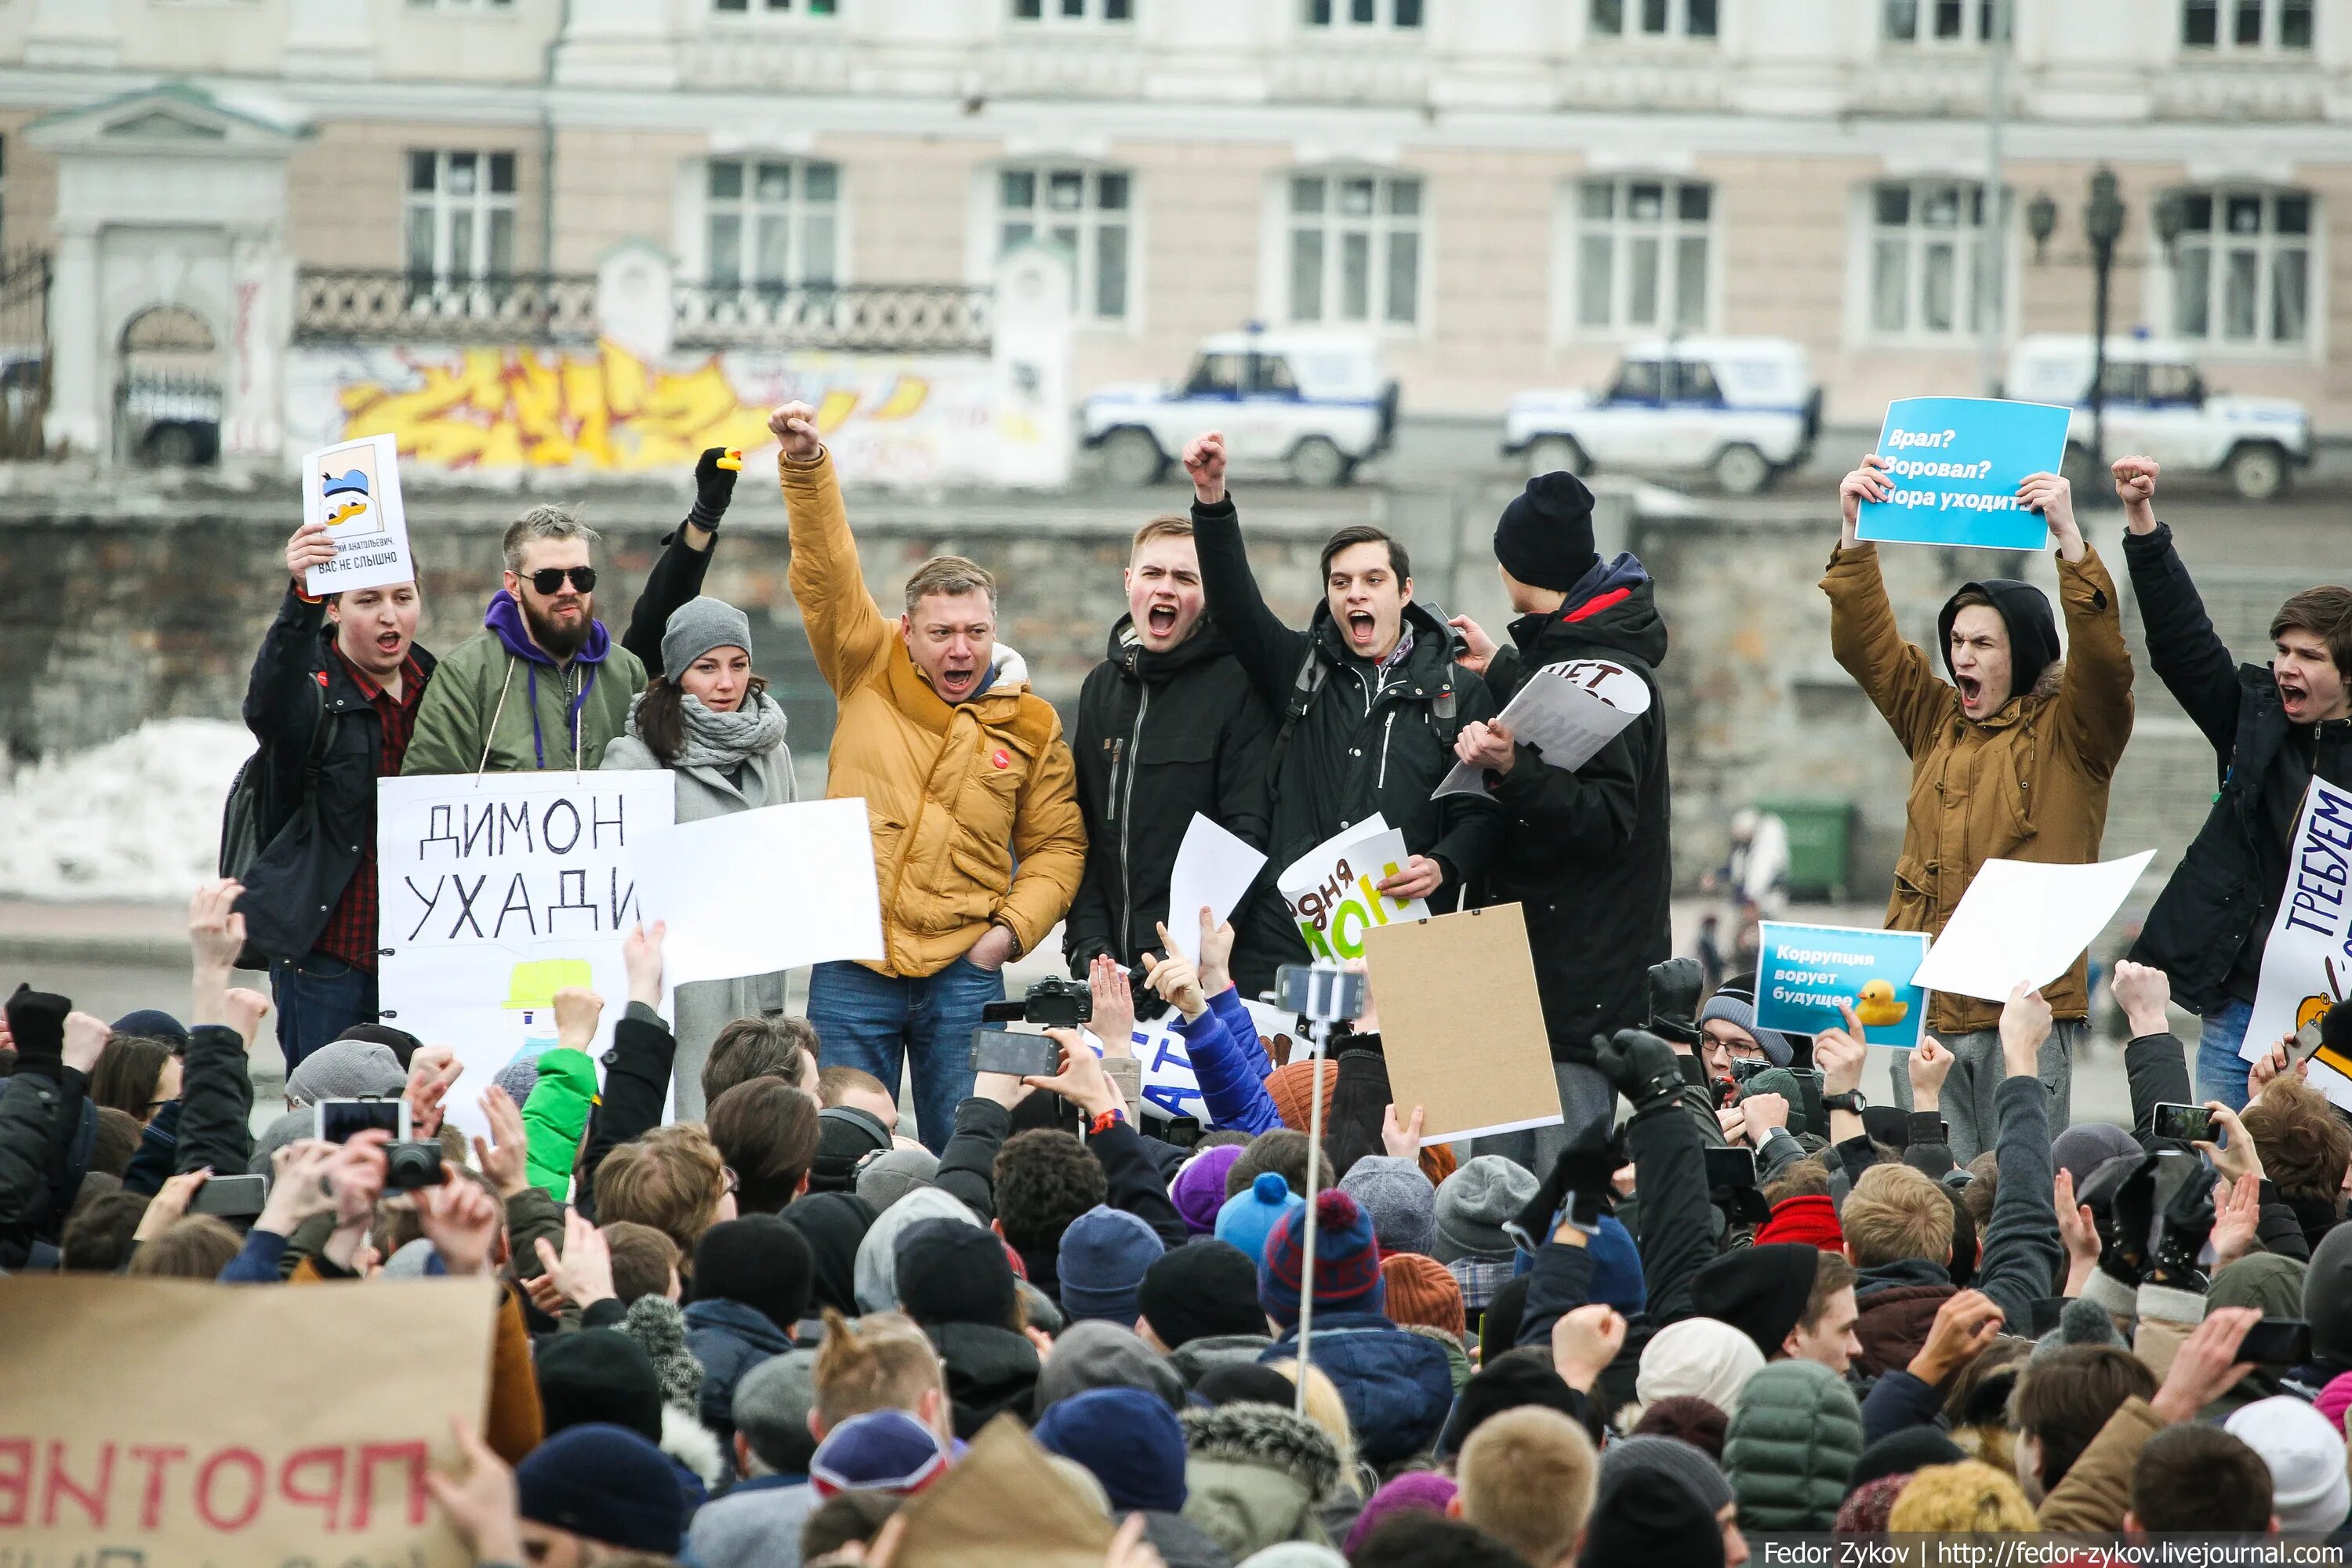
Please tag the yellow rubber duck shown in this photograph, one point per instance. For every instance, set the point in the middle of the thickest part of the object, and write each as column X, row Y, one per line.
column 1877, row 1008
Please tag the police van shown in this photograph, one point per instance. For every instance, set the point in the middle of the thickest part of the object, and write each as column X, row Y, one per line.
column 1740, row 410
column 1309, row 405
column 2158, row 404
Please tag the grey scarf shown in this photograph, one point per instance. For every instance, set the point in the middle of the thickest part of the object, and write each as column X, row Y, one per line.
column 721, row 741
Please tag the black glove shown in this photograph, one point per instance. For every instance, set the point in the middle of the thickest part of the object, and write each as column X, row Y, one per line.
column 1675, row 986
column 2128, row 1190
column 2183, row 1197
column 714, row 487
column 1586, row 1166
column 1639, row 1066
column 36, row 1022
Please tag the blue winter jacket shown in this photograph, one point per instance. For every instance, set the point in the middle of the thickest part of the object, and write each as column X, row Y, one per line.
column 1230, row 1065
column 1398, row 1386
column 729, row 1339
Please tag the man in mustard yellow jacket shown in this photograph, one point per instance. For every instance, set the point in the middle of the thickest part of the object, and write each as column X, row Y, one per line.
column 968, row 783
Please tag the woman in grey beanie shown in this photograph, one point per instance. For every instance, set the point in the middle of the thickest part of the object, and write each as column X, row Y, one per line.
column 708, row 720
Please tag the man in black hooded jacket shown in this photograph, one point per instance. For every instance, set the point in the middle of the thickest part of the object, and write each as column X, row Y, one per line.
column 1167, row 725
column 1586, row 853
column 1368, row 700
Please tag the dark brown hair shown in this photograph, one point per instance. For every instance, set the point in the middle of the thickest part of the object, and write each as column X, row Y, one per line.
column 1045, row 1179
column 2326, row 612
column 117, row 1141
column 767, row 1133
column 1805, row 1178
column 97, row 1238
column 2303, row 1144
column 757, row 1048
column 643, row 1259
column 658, row 721
column 2201, row 1478
column 126, row 1074
column 1832, row 1274
column 2062, row 1401
column 1365, row 533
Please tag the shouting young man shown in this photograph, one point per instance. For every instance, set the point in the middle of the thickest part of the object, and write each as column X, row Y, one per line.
column 2011, row 758
column 1168, row 725
column 2273, row 731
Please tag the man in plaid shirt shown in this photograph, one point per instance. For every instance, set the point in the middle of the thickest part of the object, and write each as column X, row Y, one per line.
column 332, row 702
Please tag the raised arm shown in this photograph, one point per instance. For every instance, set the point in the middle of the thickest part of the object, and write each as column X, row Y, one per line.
column 2095, row 703
column 1267, row 650
column 2187, row 654
column 846, row 629
column 678, row 575
column 1895, row 674
column 281, row 699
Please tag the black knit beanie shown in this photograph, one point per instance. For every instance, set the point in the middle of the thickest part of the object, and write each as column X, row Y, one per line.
column 1759, row 1290
column 599, row 1376
column 757, row 1260
column 950, row 1272
column 1545, row 535
column 1199, row 1292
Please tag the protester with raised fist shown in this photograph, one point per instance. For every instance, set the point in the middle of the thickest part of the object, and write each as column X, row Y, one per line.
column 979, row 844
column 2273, row 730
column 2011, row 758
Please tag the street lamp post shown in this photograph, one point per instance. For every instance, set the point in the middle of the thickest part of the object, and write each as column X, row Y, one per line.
column 2103, row 224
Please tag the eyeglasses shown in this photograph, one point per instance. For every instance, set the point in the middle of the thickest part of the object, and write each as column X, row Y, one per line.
column 550, row 579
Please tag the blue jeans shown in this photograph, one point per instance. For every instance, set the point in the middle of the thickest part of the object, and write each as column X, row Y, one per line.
column 875, row 1022
column 318, row 997
column 2220, row 1070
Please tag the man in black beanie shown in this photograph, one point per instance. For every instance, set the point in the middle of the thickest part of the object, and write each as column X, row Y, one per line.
column 1199, row 1306
column 1511, row 1379
column 751, row 1286
column 1765, row 1291
column 957, row 1284
column 1585, row 854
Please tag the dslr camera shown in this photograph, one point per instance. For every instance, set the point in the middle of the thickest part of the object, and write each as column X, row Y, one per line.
column 1054, row 1003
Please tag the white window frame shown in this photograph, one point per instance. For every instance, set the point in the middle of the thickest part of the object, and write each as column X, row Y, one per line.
column 1056, row 13
column 444, row 208
column 1976, row 17
column 2270, row 18
column 1089, row 220
column 1285, row 222
column 752, row 211
column 1634, row 17
column 1625, row 234
column 2265, row 244
column 819, row 11
column 1340, row 18
column 1919, row 240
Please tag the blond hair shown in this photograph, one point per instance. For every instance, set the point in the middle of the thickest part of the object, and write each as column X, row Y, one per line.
column 1969, row 1498
column 1895, row 1213
column 881, row 1361
column 1527, row 1480
column 1326, row 1409
column 1167, row 525
column 194, row 1246
column 671, row 1178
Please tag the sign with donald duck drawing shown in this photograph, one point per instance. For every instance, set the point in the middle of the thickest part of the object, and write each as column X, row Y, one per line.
column 353, row 489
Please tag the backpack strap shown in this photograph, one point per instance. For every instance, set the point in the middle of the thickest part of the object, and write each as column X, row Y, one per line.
column 1312, row 672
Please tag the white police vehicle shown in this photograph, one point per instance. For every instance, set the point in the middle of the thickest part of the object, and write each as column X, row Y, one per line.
column 1308, row 403
column 1742, row 409
column 2158, row 404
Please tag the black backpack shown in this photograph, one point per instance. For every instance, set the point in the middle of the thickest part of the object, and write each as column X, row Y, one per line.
column 251, row 819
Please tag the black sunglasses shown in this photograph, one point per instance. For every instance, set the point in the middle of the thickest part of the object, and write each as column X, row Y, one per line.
column 550, row 579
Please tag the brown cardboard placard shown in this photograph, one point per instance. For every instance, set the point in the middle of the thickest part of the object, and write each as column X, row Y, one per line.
column 180, row 1422
column 1461, row 1024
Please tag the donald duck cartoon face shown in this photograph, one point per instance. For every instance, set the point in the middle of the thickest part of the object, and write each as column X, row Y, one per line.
column 346, row 495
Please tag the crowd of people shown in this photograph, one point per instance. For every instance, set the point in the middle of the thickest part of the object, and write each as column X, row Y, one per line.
column 789, row 1321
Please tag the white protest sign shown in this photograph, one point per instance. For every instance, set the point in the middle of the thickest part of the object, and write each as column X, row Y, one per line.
column 2025, row 921
column 2308, row 964
column 498, row 890
column 756, row 891
column 1333, row 888
column 1567, row 712
column 1212, row 868
column 1169, row 1088
column 354, row 489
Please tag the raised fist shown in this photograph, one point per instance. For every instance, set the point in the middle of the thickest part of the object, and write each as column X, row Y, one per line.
column 1204, row 460
column 794, row 424
column 2135, row 479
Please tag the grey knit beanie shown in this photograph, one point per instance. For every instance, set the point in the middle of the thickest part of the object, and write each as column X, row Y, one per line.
column 1475, row 1202
column 1672, row 1455
column 2082, row 1322
column 519, row 1077
column 890, row 1175
column 698, row 625
column 1735, row 1003
column 345, row 1069
column 409, row 1260
column 1398, row 1196
column 281, row 1131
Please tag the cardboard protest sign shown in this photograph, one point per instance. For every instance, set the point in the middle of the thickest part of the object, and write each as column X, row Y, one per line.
column 2025, row 921
column 1567, row 712
column 1332, row 889
column 1212, row 868
column 143, row 1424
column 1956, row 464
column 1461, row 1024
column 355, row 488
column 1169, row 1088
column 1803, row 972
column 2307, row 964
column 756, row 891
column 498, row 890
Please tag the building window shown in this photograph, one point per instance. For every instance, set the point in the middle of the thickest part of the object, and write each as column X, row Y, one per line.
column 1355, row 249
column 1942, row 21
column 2242, row 268
column 1073, row 10
column 773, row 221
column 1652, row 18
column 461, row 4
column 460, row 215
column 775, row 8
column 2232, row 25
column 1927, row 277
column 1642, row 254
column 1084, row 214
column 1363, row 13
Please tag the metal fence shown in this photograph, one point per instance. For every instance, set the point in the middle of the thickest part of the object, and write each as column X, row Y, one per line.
column 388, row 305
column 950, row 318
column 24, row 352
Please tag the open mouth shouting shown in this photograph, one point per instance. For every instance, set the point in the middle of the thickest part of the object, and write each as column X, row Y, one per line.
column 2294, row 696
column 1971, row 690
column 389, row 644
column 957, row 682
column 1161, row 619
column 1361, row 628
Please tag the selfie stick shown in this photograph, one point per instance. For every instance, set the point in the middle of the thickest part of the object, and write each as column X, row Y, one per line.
column 1323, row 1008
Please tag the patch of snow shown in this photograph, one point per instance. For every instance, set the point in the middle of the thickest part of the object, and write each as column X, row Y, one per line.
column 137, row 818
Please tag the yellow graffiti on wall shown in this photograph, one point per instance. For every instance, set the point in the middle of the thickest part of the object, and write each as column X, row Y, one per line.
column 519, row 408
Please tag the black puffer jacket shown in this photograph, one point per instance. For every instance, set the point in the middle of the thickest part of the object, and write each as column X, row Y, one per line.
column 2214, row 916
column 1365, row 743
column 1586, row 853
column 1157, row 737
